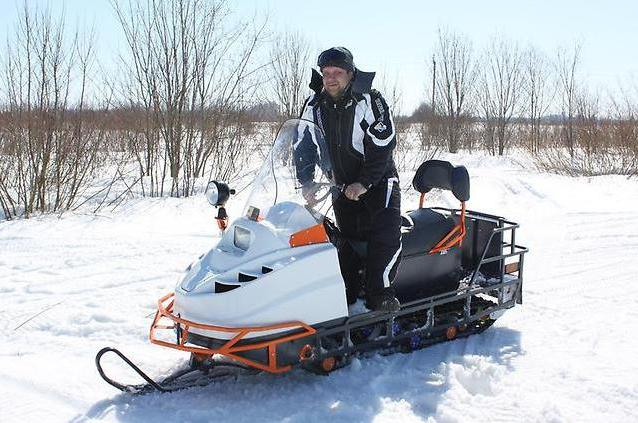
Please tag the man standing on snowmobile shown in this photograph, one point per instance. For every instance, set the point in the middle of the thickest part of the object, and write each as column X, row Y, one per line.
column 360, row 134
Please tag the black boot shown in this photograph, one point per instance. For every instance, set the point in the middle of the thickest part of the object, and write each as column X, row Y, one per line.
column 385, row 302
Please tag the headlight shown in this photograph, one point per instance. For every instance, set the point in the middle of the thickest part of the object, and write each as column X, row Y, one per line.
column 218, row 193
column 241, row 238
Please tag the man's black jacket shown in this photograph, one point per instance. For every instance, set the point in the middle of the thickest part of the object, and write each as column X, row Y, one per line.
column 359, row 131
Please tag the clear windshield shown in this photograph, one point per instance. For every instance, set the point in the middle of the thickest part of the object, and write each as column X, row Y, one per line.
column 292, row 190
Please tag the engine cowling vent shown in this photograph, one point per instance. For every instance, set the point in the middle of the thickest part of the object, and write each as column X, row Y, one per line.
column 245, row 277
column 224, row 287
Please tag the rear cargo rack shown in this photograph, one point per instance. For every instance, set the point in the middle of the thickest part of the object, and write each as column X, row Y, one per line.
column 483, row 299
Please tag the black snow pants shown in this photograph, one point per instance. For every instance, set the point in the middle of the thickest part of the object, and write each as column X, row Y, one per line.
column 375, row 219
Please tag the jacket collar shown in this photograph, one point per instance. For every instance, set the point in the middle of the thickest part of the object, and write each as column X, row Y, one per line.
column 361, row 84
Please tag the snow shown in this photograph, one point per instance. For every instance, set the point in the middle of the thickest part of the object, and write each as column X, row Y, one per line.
column 76, row 283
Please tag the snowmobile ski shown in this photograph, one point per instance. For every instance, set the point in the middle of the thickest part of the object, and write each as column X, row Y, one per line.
column 192, row 376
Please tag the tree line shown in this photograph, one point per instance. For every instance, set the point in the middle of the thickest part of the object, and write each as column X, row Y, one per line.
column 511, row 97
column 191, row 81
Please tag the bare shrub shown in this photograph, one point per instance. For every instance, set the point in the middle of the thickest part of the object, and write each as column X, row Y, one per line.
column 192, row 75
column 602, row 146
column 454, row 84
column 557, row 159
column 428, row 127
column 50, row 143
column 390, row 88
column 411, row 150
column 539, row 92
column 501, row 87
column 393, row 95
column 290, row 63
column 567, row 69
column 623, row 124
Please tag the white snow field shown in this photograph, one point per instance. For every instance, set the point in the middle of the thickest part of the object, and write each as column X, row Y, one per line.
column 75, row 284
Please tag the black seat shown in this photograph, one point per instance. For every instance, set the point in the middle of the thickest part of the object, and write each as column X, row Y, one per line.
column 442, row 175
column 422, row 274
column 427, row 229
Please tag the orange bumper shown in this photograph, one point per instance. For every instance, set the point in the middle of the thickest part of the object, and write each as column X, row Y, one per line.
column 230, row 348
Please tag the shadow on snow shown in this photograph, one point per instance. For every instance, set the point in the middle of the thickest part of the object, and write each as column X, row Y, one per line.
column 359, row 392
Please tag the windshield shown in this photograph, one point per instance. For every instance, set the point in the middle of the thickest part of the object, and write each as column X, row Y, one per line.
column 292, row 190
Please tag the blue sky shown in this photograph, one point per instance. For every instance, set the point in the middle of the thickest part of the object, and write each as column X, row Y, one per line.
column 398, row 37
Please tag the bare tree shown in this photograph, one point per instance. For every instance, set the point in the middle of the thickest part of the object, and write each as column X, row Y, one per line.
column 456, row 75
column 602, row 144
column 501, row 81
column 539, row 92
column 192, row 73
column 390, row 88
column 567, row 67
column 290, row 64
column 52, row 143
column 486, row 108
column 625, row 125
column 432, row 128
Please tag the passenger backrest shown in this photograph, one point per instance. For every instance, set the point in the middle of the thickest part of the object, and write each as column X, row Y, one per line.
column 441, row 174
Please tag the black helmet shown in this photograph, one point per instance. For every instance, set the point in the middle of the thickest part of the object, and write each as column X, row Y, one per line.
column 336, row 56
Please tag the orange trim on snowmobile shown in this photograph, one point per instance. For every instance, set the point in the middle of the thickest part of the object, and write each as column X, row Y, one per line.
column 512, row 267
column 306, row 353
column 222, row 223
column 230, row 348
column 312, row 235
column 454, row 237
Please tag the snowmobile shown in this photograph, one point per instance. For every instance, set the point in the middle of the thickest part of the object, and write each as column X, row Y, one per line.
column 270, row 295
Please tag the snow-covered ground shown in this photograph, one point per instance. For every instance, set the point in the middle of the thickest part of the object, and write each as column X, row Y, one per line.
column 74, row 284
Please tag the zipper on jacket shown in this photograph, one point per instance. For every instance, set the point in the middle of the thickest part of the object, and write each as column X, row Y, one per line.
column 339, row 146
